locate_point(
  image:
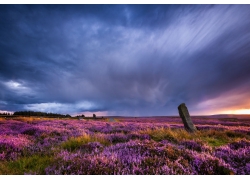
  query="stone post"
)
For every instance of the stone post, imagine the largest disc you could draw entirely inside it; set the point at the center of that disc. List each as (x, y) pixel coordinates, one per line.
(184, 114)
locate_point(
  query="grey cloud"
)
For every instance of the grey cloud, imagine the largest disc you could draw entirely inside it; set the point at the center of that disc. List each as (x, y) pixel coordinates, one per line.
(124, 59)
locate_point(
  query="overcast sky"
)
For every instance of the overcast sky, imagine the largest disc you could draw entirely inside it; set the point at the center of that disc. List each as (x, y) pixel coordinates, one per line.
(131, 60)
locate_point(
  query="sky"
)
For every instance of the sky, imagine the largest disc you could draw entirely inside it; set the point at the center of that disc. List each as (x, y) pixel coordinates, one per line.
(127, 60)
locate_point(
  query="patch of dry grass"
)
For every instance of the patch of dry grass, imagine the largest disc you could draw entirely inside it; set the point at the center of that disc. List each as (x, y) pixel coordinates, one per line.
(2, 119)
(211, 137)
(76, 142)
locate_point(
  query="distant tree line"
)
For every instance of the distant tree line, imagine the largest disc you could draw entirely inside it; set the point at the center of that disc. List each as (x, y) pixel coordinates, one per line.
(5, 114)
(33, 113)
(80, 115)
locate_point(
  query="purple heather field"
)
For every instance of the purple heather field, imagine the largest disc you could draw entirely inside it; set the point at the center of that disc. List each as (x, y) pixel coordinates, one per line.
(143, 146)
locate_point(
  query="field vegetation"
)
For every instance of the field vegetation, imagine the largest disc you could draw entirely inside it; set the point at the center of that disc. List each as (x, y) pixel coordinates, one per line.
(123, 146)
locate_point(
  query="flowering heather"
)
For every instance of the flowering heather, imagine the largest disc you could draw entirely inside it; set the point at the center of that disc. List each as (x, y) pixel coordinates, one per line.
(11, 146)
(196, 146)
(138, 157)
(237, 155)
(125, 146)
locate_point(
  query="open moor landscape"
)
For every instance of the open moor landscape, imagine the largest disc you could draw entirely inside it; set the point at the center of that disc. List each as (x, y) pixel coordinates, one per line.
(124, 145)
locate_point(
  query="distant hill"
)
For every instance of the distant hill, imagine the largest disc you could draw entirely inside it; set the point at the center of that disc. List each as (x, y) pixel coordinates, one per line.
(238, 116)
(219, 116)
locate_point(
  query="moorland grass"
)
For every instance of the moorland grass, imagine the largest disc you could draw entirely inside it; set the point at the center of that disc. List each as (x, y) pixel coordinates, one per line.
(37, 163)
(75, 143)
(34, 164)
(2, 119)
(211, 137)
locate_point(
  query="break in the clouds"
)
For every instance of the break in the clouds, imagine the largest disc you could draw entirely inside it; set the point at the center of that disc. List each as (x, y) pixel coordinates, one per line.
(138, 60)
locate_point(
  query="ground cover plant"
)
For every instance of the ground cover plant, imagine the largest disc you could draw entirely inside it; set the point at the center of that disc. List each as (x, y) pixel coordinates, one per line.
(124, 146)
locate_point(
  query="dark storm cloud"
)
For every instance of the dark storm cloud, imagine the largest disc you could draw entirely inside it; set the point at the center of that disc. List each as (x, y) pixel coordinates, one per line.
(123, 59)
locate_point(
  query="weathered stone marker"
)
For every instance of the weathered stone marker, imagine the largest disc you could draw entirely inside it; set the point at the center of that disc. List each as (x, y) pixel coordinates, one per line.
(184, 114)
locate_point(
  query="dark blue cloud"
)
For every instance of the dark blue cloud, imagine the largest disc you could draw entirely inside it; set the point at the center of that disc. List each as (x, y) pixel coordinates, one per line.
(124, 59)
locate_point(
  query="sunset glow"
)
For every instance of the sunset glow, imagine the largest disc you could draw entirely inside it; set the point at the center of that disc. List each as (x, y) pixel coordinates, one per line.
(237, 111)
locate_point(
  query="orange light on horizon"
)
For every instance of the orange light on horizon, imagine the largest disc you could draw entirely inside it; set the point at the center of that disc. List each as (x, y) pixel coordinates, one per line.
(237, 111)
